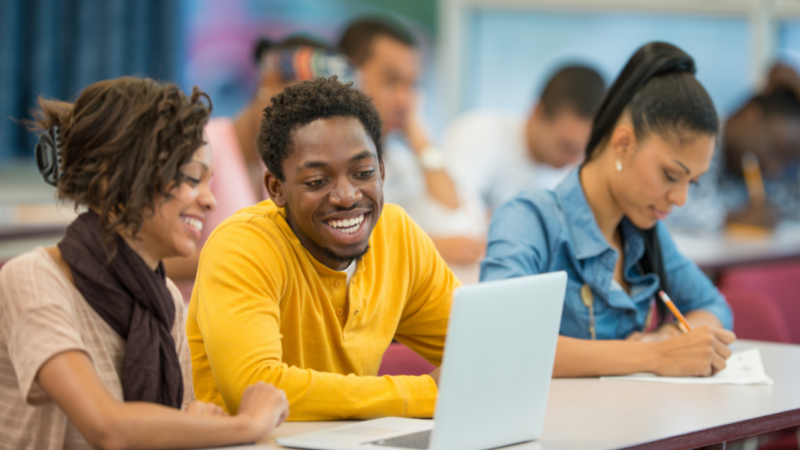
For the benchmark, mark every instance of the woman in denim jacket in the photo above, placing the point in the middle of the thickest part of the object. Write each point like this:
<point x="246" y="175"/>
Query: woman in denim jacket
<point x="653" y="136"/>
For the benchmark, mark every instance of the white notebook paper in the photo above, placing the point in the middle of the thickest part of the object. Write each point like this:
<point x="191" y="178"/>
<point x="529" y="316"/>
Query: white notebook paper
<point x="742" y="368"/>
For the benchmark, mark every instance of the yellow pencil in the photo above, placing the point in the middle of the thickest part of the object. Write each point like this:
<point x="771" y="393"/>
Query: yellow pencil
<point x="674" y="309"/>
<point x="753" y="180"/>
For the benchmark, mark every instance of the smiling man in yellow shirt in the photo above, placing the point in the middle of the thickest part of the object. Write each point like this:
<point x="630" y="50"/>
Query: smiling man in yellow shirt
<point x="307" y="290"/>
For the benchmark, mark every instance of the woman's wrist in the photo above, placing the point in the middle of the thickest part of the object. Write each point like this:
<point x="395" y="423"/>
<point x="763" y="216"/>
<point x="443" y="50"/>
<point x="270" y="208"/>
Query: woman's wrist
<point x="246" y="427"/>
<point x="649" y="356"/>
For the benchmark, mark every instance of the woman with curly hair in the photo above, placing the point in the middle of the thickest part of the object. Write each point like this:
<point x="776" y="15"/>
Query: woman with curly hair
<point x="93" y="351"/>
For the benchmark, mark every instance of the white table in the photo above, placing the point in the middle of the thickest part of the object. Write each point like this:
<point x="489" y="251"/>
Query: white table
<point x="718" y="251"/>
<point x="590" y="414"/>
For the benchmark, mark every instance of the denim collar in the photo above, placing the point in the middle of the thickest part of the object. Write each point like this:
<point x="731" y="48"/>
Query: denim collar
<point x="586" y="235"/>
<point x="587" y="239"/>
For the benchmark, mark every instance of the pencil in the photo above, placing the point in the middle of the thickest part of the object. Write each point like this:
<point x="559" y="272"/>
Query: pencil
<point x="674" y="309"/>
<point x="752" y="179"/>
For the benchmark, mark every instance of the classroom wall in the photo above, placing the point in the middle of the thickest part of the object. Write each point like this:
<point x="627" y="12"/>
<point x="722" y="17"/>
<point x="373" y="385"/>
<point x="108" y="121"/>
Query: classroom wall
<point x="507" y="55"/>
<point x="789" y="42"/>
<point x="57" y="47"/>
<point x="513" y="52"/>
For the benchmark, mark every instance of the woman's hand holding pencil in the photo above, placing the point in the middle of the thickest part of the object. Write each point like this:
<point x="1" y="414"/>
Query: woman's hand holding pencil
<point x="700" y="352"/>
<point x="681" y="349"/>
<point x="669" y="329"/>
<point x="675" y="312"/>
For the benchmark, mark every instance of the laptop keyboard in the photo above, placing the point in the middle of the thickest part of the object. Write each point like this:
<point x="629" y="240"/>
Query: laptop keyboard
<point x="419" y="440"/>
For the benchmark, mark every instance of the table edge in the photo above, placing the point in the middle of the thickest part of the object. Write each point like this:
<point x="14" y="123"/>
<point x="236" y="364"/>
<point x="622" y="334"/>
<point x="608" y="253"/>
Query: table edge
<point x="724" y="433"/>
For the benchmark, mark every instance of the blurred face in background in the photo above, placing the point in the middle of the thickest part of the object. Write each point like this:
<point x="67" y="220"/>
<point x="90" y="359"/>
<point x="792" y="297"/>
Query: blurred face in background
<point x="559" y="140"/>
<point x="389" y="76"/>
<point x="774" y="139"/>
<point x="271" y="85"/>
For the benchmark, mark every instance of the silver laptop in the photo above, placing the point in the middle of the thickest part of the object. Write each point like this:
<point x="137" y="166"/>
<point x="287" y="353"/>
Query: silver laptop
<point x="495" y="377"/>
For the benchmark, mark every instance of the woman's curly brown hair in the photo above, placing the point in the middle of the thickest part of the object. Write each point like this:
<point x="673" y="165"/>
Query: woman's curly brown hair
<point x="124" y="141"/>
<point x="304" y="103"/>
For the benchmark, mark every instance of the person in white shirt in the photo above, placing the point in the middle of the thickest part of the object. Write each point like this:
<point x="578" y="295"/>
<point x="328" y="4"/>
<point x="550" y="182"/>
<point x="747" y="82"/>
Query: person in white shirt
<point x="497" y="155"/>
<point x="417" y="178"/>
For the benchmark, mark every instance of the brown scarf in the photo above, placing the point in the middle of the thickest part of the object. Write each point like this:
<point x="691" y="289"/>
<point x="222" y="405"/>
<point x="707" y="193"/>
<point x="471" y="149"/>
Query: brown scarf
<point x="135" y="302"/>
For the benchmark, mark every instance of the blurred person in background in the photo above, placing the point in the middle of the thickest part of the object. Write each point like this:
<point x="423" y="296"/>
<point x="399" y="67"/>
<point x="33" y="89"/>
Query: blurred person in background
<point x="499" y="154"/>
<point x="767" y="126"/>
<point x="239" y="172"/>
<point x="93" y="352"/>
<point x="417" y="176"/>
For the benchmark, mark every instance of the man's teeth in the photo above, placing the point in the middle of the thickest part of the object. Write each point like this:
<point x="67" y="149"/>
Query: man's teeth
<point x="347" y="226"/>
<point x="194" y="223"/>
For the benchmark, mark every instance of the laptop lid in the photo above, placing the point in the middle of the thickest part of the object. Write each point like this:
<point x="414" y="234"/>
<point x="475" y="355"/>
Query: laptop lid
<point x="498" y="362"/>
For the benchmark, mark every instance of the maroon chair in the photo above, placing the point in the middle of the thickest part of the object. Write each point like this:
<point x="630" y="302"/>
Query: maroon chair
<point x="401" y="360"/>
<point x="756" y="316"/>
<point x="780" y="281"/>
<point x="785" y="440"/>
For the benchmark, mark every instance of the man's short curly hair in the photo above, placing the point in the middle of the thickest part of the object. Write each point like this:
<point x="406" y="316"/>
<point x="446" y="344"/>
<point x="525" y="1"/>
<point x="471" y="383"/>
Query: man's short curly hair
<point x="304" y="103"/>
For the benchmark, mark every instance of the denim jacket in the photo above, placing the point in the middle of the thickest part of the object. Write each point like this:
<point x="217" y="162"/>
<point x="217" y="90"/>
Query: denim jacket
<point x="550" y="231"/>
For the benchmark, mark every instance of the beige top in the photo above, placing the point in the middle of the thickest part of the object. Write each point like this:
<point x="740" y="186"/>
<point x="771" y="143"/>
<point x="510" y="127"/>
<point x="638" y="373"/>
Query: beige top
<point x="43" y="314"/>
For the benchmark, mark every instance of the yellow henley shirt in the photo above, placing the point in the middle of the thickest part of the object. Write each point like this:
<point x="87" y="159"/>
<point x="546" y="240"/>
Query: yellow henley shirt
<point x="263" y="309"/>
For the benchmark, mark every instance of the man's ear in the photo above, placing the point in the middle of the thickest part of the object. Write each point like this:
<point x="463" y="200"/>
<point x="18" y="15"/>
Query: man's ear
<point x="382" y="169"/>
<point x="274" y="189"/>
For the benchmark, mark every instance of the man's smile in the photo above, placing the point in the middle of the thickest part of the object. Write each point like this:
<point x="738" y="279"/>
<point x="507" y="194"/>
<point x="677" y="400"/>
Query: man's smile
<point x="347" y="226"/>
<point x="349" y="229"/>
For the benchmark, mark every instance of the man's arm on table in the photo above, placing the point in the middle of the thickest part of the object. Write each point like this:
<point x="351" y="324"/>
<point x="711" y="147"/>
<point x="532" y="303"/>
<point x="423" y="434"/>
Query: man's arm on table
<point x="442" y="188"/>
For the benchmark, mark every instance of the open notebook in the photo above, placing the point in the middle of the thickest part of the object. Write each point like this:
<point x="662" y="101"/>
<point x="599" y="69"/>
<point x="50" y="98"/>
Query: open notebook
<point x="743" y="367"/>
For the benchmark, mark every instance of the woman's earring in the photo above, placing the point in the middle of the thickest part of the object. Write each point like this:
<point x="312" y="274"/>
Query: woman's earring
<point x="619" y="165"/>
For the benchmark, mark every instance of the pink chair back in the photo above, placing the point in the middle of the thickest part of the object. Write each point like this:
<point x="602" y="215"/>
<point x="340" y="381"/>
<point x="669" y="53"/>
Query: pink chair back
<point x="401" y="360"/>
<point x="756" y="316"/>
<point x="779" y="281"/>
<point x="786" y="439"/>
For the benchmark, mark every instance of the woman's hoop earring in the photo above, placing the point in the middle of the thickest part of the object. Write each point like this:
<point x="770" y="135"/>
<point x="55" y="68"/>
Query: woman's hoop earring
<point x="619" y="165"/>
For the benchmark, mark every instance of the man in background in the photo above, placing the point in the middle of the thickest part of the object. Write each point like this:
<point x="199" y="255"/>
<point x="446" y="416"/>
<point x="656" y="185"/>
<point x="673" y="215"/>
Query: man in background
<point x="417" y="178"/>
<point x="500" y="155"/>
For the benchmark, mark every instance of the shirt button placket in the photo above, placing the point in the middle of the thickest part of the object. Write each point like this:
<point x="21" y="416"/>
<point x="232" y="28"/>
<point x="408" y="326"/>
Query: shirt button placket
<point x="338" y="283"/>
